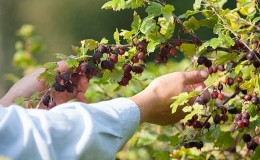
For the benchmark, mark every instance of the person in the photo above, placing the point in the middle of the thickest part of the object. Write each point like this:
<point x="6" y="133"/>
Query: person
<point x="77" y="130"/>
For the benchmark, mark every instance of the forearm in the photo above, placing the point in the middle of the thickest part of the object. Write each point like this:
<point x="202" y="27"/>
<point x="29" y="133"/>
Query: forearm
<point x="7" y="100"/>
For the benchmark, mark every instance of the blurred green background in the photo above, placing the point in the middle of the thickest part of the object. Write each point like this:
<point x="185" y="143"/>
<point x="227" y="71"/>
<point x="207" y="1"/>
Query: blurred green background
<point x="60" y="24"/>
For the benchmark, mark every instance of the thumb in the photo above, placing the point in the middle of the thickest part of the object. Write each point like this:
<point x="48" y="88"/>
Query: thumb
<point x="196" y="76"/>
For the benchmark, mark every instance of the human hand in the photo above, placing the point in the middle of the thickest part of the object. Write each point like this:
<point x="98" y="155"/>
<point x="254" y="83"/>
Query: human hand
<point x="154" y="101"/>
<point x="30" y="84"/>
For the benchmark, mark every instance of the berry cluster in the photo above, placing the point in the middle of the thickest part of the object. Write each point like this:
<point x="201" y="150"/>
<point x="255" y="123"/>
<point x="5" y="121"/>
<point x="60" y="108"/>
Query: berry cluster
<point x="196" y="124"/>
<point x="68" y="80"/>
<point x="198" y="144"/>
<point x="250" y="142"/>
<point x="242" y="119"/>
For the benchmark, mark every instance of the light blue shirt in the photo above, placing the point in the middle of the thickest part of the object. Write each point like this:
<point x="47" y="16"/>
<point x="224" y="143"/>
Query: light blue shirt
<point x="69" y="131"/>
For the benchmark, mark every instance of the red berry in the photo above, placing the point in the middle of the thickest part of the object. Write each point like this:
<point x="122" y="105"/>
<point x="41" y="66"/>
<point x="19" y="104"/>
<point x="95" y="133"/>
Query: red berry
<point x="173" y="51"/>
<point x="141" y="55"/>
<point x="240" y="124"/>
<point x="248" y="97"/>
<point x="178" y="42"/>
<point x="239" y="79"/>
<point x="135" y="59"/>
<point x="121" y="51"/>
<point x="221" y="96"/>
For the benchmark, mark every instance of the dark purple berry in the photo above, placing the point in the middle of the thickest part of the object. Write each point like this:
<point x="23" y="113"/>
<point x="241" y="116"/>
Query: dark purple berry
<point x="246" y="137"/>
<point x="69" y="87"/>
<point x="201" y="60"/>
<point x="252" y="145"/>
<point x="250" y="56"/>
<point x="255" y="100"/>
<point x="58" y="87"/>
<point x="46" y="100"/>
<point x="217" y="119"/>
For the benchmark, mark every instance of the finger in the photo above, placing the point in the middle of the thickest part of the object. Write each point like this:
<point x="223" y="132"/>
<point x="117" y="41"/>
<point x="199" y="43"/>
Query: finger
<point x="82" y="84"/>
<point x="196" y="76"/>
<point x="81" y="97"/>
<point x="62" y="66"/>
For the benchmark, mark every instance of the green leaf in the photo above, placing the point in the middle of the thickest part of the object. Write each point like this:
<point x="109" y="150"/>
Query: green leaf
<point x="255" y="20"/>
<point x="61" y="56"/>
<point x="174" y="140"/>
<point x="191" y="24"/>
<point x="19" y="101"/>
<point x="90" y="44"/>
<point x="49" y="74"/>
<point x="148" y="25"/>
<point x="114" y="4"/>
<point x="197" y="4"/>
<point x="190" y="13"/>
<point x="116" y="37"/>
<point x="34" y="99"/>
<point x="187" y="109"/>
<point x="134" y="4"/>
<point x="226" y="58"/>
<point x="72" y="62"/>
<point x="225" y="140"/>
<point x="167" y="11"/>
<point x="167" y="27"/>
<point x="152" y="45"/>
<point x="154" y="9"/>
<point x="103" y="41"/>
<point x="136" y="24"/>
<point x="182" y="99"/>
<point x="256" y="155"/>
<point x="162" y="155"/>
<point x="188" y="49"/>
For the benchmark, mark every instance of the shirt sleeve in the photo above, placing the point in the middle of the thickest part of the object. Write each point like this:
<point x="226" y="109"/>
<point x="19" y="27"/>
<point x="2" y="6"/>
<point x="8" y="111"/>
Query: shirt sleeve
<point x="69" y="131"/>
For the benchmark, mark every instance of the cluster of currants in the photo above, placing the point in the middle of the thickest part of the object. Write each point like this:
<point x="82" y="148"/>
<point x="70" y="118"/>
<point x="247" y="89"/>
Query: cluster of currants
<point x="242" y="119"/>
<point x="68" y="80"/>
<point x="196" y="124"/>
<point x="250" y="142"/>
<point x="196" y="143"/>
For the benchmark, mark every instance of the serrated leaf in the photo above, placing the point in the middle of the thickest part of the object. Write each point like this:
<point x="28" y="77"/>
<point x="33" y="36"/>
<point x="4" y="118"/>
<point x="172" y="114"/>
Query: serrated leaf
<point x="50" y="65"/>
<point x="103" y="41"/>
<point x="167" y="11"/>
<point x="71" y="62"/>
<point x="152" y="45"/>
<point x="115" y="5"/>
<point x="148" y="25"/>
<point x="181" y="99"/>
<point x="116" y="37"/>
<point x="191" y="24"/>
<point x="167" y="27"/>
<point x="134" y="4"/>
<point x="154" y="9"/>
<point x="190" y="13"/>
<point x="187" y="109"/>
<point x="136" y="24"/>
<point x="19" y="101"/>
<point x="188" y="49"/>
<point x="90" y="44"/>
